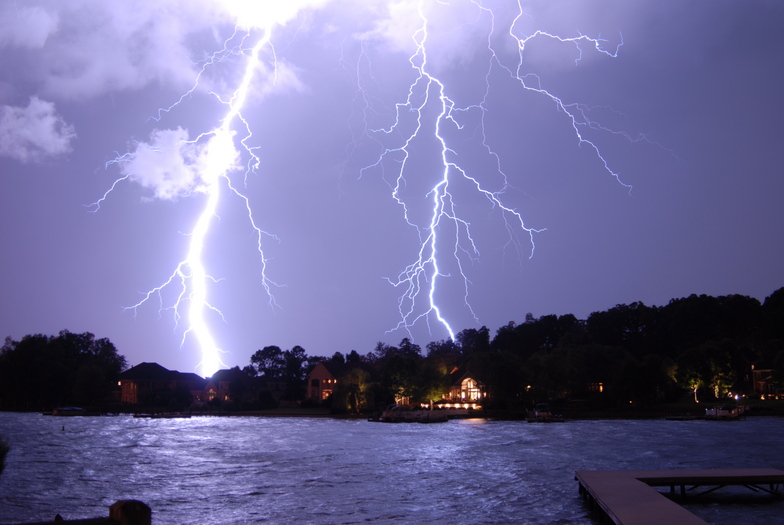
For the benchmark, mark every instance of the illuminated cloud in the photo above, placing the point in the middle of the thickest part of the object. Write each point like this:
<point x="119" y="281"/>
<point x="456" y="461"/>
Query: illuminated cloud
<point x="26" y="27"/>
<point x="86" y="48"/>
<point x="173" y="166"/>
<point x="329" y="96"/>
<point x="33" y="133"/>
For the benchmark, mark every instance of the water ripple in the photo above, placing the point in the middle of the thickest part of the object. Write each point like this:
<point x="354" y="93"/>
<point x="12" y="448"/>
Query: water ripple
<point x="248" y="470"/>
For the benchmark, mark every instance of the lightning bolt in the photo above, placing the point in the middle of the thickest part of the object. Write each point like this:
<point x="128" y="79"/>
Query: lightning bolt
<point x="428" y="112"/>
<point x="428" y="116"/>
<point x="213" y="157"/>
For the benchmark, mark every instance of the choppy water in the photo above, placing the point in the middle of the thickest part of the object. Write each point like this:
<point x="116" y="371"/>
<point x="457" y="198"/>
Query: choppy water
<point x="244" y="470"/>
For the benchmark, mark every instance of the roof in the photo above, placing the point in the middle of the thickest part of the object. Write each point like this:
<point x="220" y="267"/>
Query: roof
<point x="338" y="370"/>
<point x="156" y="372"/>
<point x="147" y="372"/>
<point x="228" y="374"/>
<point x="460" y="373"/>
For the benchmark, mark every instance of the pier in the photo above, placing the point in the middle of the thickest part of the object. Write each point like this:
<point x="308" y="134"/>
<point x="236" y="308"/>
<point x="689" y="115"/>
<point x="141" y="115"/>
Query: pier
<point x="628" y="497"/>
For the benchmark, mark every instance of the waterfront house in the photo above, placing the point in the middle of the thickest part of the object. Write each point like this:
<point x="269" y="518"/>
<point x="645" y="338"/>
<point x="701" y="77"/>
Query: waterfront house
<point x="466" y="391"/>
<point x="233" y="384"/>
<point x="763" y="383"/>
<point x="321" y="381"/>
<point x="219" y="385"/>
<point x="140" y="382"/>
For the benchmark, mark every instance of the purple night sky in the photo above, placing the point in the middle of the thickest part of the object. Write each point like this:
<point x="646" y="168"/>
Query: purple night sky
<point x="689" y="113"/>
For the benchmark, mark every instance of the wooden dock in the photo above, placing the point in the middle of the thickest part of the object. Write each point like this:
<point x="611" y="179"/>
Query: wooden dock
<point x="628" y="497"/>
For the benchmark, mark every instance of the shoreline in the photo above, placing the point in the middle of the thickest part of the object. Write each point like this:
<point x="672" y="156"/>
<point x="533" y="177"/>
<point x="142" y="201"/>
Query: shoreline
<point x="569" y="410"/>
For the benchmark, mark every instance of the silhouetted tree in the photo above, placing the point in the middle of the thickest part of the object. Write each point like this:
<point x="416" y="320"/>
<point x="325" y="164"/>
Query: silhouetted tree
<point x="472" y="340"/>
<point x="269" y="362"/>
<point x="399" y="376"/>
<point x="409" y="349"/>
<point x="337" y="359"/>
<point x="352" y="392"/>
<point x="773" y="312"/>
<point x="432" y="380"/>
<point x="294" y="372"/>
<point x="693" y="370"/>
<point x="446" y="353"/>
<point x="47" y="371"/>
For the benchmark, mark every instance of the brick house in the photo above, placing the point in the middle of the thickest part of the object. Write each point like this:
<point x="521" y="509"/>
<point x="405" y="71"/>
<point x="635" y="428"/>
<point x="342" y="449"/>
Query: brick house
<point x="321" y="382"/>
<point x="144" y="379"/>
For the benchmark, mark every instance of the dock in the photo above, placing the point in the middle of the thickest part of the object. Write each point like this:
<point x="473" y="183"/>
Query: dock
<point x="628" y="497"/>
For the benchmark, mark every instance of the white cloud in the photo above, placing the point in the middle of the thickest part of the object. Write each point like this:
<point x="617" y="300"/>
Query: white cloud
<point x="85" y="48"/>
<point x="109" y="46"/>
<point x="396" y="25"/>
<point x="33" y="133"/>
<point x="173" y="166"/>
<point x="265" y="14"/>
<point x="26" y="27"/>
<point x="165" y="164"/>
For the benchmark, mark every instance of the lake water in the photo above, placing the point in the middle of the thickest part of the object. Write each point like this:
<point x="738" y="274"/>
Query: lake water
<point x="210" y="470"/>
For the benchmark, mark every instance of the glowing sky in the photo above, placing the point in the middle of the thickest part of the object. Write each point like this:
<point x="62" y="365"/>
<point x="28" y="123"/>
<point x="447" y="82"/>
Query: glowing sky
<point x="688" y="113"/>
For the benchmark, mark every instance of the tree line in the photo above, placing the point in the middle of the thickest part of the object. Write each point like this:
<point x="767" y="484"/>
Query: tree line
<point x="42" y="372"/>
<point x="632" y="352"/>
<point x="629" y="353"/>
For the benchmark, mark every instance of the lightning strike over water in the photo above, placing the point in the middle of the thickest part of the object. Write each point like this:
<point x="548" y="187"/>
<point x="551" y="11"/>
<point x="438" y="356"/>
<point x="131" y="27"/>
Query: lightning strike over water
<point x="421" y="144"/>
<point x="213" y="156"/>
<point x="430" y="113"/>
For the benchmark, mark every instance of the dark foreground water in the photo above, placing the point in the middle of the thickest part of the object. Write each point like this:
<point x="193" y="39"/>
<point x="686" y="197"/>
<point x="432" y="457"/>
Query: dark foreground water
<point x="210" y="470"/>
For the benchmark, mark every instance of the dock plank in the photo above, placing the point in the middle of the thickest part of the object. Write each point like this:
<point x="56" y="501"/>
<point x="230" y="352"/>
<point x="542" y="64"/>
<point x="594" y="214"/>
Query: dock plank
<point x="627" y="497"/>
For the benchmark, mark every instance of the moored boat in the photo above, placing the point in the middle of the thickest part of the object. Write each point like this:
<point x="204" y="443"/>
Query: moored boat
<point x="165" y="415"/>
<point x="404" y="414"/>
<point x="69" y="411"/>
<point x="542" y="414"/>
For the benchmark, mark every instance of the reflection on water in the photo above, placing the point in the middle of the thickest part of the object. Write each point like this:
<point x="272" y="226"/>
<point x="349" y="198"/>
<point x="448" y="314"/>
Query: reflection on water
<point x="245" y="470"/>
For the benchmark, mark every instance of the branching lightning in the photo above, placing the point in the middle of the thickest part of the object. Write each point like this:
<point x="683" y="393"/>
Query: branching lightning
<point x="446" y="235"/>
<point x="428" y="114"/>
<point x="214" y="157"/>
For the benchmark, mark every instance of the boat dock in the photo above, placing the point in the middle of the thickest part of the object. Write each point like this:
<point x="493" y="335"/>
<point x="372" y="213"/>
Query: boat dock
<point x="628" y="497"/>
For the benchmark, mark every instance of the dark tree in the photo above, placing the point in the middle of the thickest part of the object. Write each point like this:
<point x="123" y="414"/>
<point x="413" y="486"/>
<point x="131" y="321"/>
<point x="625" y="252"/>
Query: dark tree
<point x="42" y="372"/>
<point x="269" y="362"/>
<point x="352" y="393"/>
<point x="445" y="354"/>
<point x="409" y="349"/>
<point x="773" y="311"/>
<point x="399" y="376"/>
<point x="294" y="372"/>
<point x="472" y="340"/>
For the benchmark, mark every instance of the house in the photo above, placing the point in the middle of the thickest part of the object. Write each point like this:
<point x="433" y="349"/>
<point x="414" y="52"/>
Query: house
<point x="466" y="391"/>
<point x="218" y="386"/>
<point x="140" y="382"/>
<point x="229" y="385"/>
<point x="321" y="382"/>
<point x="763" y="382"/>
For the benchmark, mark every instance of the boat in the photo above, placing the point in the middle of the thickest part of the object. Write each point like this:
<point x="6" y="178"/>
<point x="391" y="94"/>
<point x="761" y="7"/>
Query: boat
<point x="542" y="414"/>
<point x="69" y="411"/>
<point x="165" y="415"/>
<point x="724" y="413"/>
<point x="404" y="414"/>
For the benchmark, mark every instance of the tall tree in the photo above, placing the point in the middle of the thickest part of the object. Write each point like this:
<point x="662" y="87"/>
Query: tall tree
<point x="269" y="362"/>
<point x="42" y="371"/>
